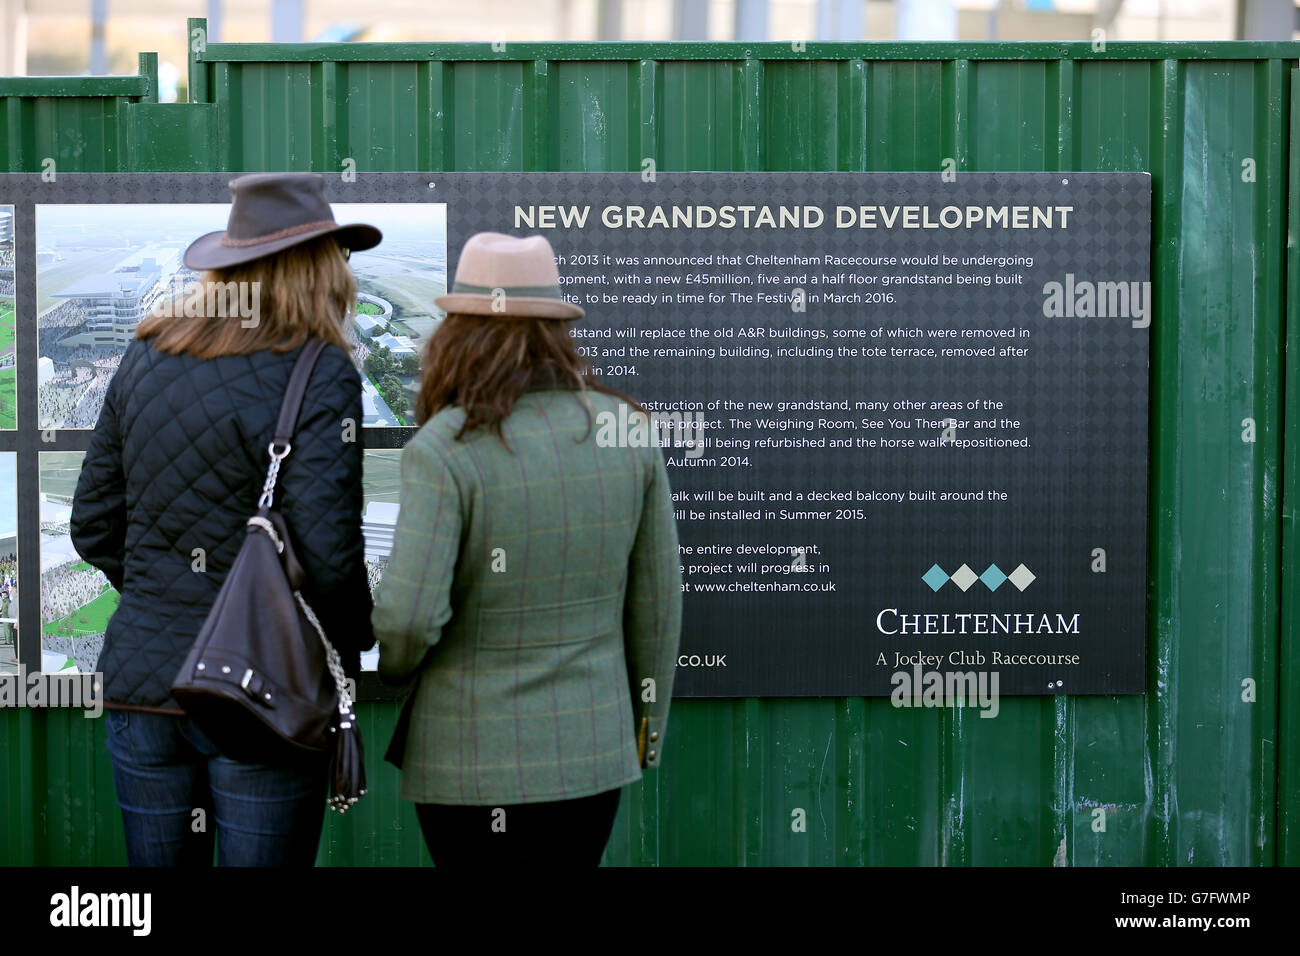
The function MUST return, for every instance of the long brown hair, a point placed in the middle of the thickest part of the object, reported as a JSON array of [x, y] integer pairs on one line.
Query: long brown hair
[[483, 364], [303, 291]]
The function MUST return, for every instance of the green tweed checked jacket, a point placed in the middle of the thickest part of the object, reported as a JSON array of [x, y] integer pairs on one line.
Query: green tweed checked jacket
[[532, 593]]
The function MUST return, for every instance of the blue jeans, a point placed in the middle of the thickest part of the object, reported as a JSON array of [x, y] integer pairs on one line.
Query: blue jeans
[[177, 793]]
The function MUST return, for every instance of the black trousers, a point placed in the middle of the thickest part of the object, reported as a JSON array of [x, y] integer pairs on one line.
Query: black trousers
[[559, 833]]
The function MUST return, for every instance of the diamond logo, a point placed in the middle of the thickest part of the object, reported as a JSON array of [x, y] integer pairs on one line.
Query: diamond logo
[[993, 577], [936, 577], [964, 577], [1021, 577]]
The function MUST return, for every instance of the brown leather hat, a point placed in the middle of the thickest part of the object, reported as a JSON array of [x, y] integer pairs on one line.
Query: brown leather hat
[[271, 212]]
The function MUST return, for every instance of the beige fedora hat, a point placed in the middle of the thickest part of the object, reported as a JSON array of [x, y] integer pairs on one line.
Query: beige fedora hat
[[507, 275]]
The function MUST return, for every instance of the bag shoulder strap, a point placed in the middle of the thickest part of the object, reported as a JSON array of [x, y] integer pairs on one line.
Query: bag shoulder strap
[[287, 423], [296, 389]]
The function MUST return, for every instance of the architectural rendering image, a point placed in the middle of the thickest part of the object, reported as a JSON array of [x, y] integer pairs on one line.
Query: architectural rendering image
[[381, 481], [101, 268], [8, 378], [8, 563], [76, 599]]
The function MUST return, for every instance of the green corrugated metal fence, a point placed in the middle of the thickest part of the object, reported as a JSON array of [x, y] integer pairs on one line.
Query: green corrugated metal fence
[[1189, 774]]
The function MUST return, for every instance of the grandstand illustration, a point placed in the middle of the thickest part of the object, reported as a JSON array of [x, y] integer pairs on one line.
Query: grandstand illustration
[[101, 268], [90, 300], [381, 480]]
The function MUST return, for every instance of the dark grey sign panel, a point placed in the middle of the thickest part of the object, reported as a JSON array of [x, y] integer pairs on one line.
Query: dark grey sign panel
[[952, 425], [923, 406]]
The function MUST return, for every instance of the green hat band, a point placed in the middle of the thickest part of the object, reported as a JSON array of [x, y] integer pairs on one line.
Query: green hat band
[[531, 291]]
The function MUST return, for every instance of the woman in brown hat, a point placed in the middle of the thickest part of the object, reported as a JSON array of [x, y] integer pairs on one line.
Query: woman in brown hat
[[173, 470], [533, 594]]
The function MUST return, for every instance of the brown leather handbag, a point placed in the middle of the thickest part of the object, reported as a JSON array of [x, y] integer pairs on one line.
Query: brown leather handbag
[[262, 680]]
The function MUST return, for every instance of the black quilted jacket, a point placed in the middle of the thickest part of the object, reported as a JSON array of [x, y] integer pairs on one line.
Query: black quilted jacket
[[176, 463]]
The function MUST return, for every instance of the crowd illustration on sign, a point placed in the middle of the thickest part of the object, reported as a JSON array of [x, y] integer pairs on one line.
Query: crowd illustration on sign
[[8, 563], [102, 268], [76, 599]]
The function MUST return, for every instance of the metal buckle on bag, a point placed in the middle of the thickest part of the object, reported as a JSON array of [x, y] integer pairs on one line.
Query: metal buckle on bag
[[255, 693], [279, 456]]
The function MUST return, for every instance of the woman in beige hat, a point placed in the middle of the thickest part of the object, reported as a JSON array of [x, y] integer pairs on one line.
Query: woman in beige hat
[[174, 469], [533, 595]]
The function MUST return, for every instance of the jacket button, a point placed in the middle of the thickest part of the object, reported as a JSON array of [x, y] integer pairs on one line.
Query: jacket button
[[654, 736], [651, 755]]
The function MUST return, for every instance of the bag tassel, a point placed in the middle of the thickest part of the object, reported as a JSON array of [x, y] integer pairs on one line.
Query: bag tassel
[[349, 774], [348, 777]]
